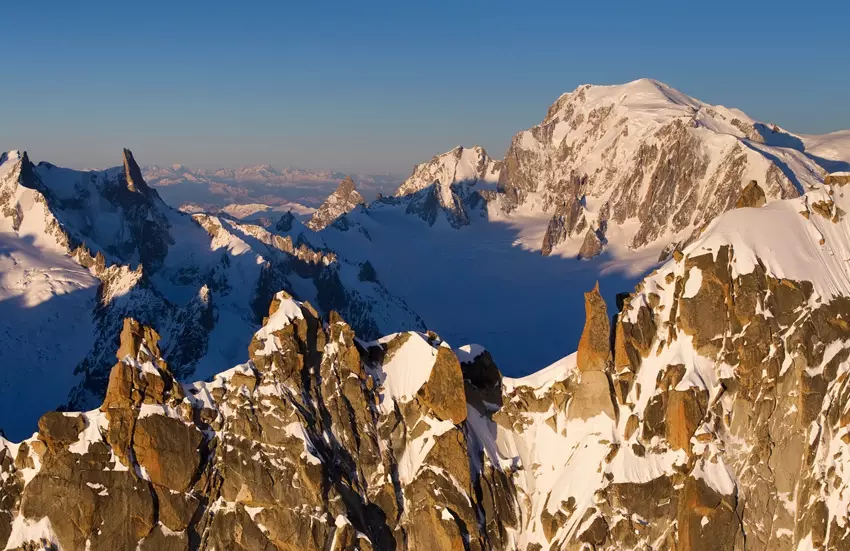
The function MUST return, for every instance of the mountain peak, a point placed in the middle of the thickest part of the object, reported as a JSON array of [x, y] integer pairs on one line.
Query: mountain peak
[[448, 182], [340, 202], [11, 156], [133, 174], [346, 187], [639, 98]]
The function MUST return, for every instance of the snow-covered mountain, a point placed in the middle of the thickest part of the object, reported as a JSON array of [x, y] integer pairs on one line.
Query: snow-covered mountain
[[84, 250], [617, 176], [831, 150], [449, 183], [254, 213], [642, 156], [647, 156], [711, 415]]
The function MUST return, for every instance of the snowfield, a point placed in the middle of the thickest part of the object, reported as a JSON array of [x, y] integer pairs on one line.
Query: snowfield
[[41, 294]]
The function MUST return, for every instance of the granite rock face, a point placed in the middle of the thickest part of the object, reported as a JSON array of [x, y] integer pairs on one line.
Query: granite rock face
[[342, 201], [709, 413]]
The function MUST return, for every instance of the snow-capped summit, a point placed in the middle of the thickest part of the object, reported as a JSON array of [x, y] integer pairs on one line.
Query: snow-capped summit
[[649, 157], [461, 165], [10, 156], [449, 183]]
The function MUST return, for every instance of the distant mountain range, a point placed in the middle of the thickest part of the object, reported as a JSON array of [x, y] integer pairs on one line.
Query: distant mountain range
[[263, 184]]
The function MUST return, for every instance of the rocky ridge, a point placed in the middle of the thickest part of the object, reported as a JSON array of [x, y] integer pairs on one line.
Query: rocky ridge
[[451, 184], [340, 202], [196, 279], [712, 413]]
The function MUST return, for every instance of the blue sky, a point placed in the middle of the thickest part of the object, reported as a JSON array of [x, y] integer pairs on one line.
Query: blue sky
[[379, 86]]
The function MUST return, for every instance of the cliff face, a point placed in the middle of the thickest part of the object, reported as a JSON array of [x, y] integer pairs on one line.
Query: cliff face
[[711, 412]]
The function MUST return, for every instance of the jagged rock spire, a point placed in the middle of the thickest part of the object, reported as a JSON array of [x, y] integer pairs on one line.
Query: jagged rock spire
[[593, 393], [284, 223], [346, 187], [133, 174], [594, 347]]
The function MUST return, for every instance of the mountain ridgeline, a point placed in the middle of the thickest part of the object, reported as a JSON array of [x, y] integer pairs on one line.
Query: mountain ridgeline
[[652, 162], [196, 278], [336, 406], [711, 412]]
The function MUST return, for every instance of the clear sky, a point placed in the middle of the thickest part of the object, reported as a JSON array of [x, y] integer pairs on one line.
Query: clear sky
[[378, 86]]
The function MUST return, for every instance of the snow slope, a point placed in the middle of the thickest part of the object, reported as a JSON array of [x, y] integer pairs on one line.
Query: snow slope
[[832, 150], [46, 327]]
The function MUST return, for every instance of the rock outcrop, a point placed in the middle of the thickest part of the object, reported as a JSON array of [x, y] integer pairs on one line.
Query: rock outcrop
[[839, 179], [342, 201], [712, 414], [751, 196], [591, 247]]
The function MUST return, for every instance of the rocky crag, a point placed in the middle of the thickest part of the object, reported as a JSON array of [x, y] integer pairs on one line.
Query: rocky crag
[[342, 201], [198, 279], [710, 412]]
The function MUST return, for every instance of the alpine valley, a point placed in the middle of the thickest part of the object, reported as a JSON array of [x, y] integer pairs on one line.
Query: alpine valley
[[201, 380]]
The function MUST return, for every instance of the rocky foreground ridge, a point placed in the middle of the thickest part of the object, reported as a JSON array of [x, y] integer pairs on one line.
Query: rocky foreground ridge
[[712, 413]]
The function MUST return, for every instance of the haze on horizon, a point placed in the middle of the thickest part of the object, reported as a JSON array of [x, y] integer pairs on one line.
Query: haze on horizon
[[378, 88]]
